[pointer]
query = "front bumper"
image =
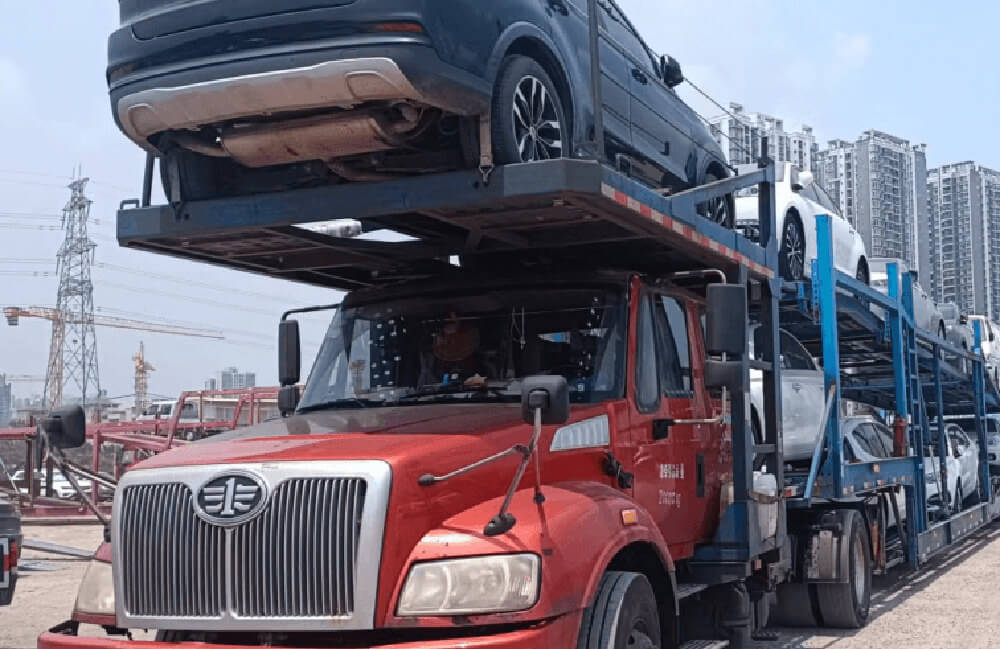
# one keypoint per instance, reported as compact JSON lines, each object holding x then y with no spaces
{"x":559,"y":633}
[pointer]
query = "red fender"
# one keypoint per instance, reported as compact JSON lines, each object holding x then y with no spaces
{"x":577,"y":531}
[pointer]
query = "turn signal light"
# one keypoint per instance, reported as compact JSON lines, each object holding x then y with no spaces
{"x":630,"y":517}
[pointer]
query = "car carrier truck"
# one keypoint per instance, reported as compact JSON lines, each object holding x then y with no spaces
{"x":529,"y":426}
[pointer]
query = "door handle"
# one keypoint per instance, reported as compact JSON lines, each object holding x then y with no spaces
{"x":640,"y":76}
{"x":559,"y":6}
{"x":797,"y":387}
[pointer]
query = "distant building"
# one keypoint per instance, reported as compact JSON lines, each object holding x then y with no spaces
{"x":6,"y":401}
{"x":879,"y":181}
{"x":231,"y":379}
{"x":963,"y":228}
{"x":740,"y":136}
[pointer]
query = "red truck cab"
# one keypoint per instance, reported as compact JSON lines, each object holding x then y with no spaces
{"x":342,"y":525}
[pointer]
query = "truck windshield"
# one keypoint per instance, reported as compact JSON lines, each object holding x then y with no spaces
{"x":477,"y":347}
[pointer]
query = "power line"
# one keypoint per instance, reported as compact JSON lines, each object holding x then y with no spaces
{"x":189,"y":282}
{"x":189,"y":298}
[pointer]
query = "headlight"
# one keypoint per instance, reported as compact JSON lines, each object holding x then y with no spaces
{"x":97,"y":590}
{"x":492,"y":584}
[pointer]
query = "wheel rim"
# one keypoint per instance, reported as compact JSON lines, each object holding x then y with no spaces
{"x":537,"y":127}
{"x":718,"y":208}
{"x":859,"y":573}
{"x":637,"y":639}
{"x":795,"y":250}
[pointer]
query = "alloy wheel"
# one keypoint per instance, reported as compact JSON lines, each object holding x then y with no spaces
{"x":537,"y":128}
{"x":794,"y":247}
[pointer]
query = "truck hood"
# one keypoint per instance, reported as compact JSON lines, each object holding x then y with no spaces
{"x":396,"y":435}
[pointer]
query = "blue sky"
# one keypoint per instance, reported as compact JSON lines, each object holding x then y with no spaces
{"x":920,"y":70}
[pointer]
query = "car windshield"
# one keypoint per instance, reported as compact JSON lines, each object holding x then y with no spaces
{"x":476,"y":347}
{"x":949,"y":311}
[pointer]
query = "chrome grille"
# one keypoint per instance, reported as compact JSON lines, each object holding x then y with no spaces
{"x":309,"y":561}
{"x":297,"y":559}
{"x":173,"y":560}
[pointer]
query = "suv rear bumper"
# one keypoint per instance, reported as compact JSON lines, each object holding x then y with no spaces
{"x":250,"y":84}
{"x":559,"y":633}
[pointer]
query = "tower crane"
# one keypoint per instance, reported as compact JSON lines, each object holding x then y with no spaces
{"x":59,"y":320}
{"x":142,"y":370}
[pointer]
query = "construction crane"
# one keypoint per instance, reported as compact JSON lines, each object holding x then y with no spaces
{"x":59,"y":320}
{"x":142,"y":370}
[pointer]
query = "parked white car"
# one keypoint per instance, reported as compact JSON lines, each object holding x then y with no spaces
{"x":866,"y":439}
{"x":989,"y":331}
{"x":926,"y":314}
{"x":957,"y":326}
{"x":968,"y":425}
{"x":61,"y":487}
{"x":798,"y":199}
{"x":963,"y":468}
{"x":802,"y":397}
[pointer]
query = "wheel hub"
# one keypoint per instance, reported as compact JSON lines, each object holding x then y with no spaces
{"x":537,"y":125}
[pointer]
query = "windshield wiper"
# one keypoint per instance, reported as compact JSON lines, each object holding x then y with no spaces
{"x":340,"y":403}
{"x":459,"y":394}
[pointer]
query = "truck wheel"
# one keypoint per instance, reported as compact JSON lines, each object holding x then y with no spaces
{"x":624,"y":614}
{"x":846,"y":606}
{"x":527,"y":117}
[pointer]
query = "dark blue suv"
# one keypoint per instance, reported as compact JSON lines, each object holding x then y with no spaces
{"x":244,"y":96}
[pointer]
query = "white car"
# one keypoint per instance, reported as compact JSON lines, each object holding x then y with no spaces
{"x":802,"y":397}
{"x":61,"y":487}
{"x":963,"y":468}
{"x":866,"y":439}
{"x":968,"y":425}
{"x":798,"y":199}
{"x":988,"y":331}
{"x":926,"y":314}
{"x":957,"y":326}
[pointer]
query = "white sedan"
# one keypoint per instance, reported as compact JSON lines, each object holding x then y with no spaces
{"x":798,"y":199}
{"x":926,"y":315}
{"x":802,"y":397}
{"x":963,"y":469}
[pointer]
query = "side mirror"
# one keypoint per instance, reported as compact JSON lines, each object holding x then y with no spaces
{"x":548,"y":393}
{"x":725,"y":319}
{"x":66,"y":427}
{"x":289,"y":352}
{"x":288,"y":399}
{"x":670,"y":71}
{"x":724,"y":374}
{"x":806,"y":178}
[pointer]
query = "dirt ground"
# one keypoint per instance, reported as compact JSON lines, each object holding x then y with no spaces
{"x":950,"y":603}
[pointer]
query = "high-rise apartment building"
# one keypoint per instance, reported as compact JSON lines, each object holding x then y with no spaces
{"x":231,"y":379}
{"x":6,"y":401}
{"x":962,"y":226}
{"x":879,"y":182}
{"x":740,"y":136}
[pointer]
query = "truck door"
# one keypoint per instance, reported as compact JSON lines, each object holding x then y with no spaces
{"x":676,"y":471}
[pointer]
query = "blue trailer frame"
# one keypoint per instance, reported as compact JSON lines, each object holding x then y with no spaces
{"x":891,"y":365}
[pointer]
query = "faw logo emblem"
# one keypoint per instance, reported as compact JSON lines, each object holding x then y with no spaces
{"x":231,"y":498}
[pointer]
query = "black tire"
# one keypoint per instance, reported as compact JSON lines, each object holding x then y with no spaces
{"x":792,"y":254}
{"x":846,"y":606}
{"x":718,"y":210}
{"x":959,"y":500}
{"x":942,"y":331}
{"x":626,"y":608}
{"x":528,"y":120}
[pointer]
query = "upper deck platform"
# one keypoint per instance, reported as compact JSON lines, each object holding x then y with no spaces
{"x":577,"y":213}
